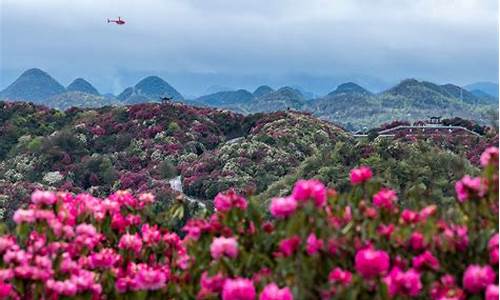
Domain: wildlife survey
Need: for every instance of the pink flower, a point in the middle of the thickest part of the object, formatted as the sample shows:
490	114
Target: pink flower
468	187
122	284
360	175
224	202
283	207
427	212
385	230
44	215
84	281
489	157
425	259
409	216
313	244
222	246
172	239
310	189
86	229
43	197
340	276
477	278
106	258
289	246
6	242
238	289
64	288
385	198
148	278
417	240
446	289
194	228
6	275
150	234
5	290
491	290
273	292
118	222
146	199
370	262
403	283
212	284
18	256
493	249
238	201
461	237
87	236
131	242
24	216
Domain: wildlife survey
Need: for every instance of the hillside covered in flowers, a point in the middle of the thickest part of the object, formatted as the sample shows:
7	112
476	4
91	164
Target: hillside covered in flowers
145	147
315	243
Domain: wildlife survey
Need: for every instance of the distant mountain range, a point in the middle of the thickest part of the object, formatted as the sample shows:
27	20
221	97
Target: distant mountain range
349	104
37	86
488	88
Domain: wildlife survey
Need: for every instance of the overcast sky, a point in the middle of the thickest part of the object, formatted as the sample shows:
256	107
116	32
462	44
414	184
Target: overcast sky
194	44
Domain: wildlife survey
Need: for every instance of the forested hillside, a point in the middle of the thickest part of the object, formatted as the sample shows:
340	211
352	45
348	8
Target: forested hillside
145	146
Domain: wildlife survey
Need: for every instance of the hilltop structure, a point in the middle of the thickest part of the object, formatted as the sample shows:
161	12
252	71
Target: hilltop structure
431	127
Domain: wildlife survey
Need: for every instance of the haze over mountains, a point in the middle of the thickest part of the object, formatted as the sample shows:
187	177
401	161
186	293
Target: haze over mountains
349	104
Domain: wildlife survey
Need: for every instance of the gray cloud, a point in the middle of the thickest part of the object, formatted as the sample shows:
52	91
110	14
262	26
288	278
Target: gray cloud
197	43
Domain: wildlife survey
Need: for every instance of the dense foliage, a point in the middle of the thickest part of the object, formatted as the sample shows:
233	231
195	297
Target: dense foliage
106	149
316	243
144	147
420	172
276	144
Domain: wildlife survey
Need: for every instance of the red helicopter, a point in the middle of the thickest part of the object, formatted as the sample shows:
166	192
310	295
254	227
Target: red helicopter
118	22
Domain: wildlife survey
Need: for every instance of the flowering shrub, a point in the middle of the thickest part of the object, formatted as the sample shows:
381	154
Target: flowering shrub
275	145
316	243
105	149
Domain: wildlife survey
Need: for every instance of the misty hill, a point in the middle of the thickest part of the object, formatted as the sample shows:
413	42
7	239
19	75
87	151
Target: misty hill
149	89
420	94
485	96
346	105
262	91
217	88
264	99
489	88
125	94
350	88
226	98
463	94
411	92
33	85
82	85
281	99
354	107
308	95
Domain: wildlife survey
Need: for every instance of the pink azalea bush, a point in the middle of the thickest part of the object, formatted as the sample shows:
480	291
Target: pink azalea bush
314	244
222	246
